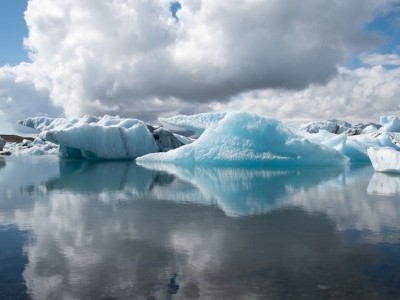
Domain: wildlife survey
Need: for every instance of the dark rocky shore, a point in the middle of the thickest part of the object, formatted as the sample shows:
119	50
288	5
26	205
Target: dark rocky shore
11	138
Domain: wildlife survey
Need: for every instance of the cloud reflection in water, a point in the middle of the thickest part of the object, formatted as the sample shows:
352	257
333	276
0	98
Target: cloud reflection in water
117	230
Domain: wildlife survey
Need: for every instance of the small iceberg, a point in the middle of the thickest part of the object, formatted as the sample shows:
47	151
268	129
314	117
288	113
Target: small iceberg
385	159
250	140
390	124
354	146
102	138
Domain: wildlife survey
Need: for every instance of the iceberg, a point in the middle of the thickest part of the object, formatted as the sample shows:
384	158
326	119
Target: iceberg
339	127
107	137
250	140
194	125
354	146
332	126
37	147
389	124
385	159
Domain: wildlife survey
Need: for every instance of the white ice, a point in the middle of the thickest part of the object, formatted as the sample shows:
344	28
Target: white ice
252	140
195	124
332	126
385	159
96	138
37	148
355	146
389	124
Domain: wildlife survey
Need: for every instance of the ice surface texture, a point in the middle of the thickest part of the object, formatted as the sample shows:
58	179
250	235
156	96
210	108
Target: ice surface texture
390	124
355	146
247	139
96	138
385	159
234	138
194	124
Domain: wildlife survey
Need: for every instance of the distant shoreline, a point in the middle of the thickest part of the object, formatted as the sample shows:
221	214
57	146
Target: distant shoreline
12	138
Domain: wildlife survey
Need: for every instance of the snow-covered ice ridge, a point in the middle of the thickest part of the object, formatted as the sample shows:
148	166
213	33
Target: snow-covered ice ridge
194	125
228	138
102	137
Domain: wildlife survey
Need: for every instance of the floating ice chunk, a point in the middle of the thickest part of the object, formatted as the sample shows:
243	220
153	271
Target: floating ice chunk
38	141
103	138
247	139
339	127
356	146
364	128
196	124
333	126
26	142
31	148
385	159
326	138
390	124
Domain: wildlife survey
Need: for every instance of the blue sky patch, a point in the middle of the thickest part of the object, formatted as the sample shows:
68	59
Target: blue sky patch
174	7
12	31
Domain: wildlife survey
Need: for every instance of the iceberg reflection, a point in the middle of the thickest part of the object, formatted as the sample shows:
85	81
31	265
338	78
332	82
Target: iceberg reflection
173	234
244	191
384	184
83	176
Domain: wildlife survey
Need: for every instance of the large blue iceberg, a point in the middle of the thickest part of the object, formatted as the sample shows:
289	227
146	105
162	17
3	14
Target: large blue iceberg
247	139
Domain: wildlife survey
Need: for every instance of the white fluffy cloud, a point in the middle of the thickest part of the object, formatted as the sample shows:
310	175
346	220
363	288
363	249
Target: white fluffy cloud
131	57
363	94
22	95
375	59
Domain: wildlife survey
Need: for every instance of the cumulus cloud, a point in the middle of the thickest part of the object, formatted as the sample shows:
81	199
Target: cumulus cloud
134	58
374	59
21	96
363	94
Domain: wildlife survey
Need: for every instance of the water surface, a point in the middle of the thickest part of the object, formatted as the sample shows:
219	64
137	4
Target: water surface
115	230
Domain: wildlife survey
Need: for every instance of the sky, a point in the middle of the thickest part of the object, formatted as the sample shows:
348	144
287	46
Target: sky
148	58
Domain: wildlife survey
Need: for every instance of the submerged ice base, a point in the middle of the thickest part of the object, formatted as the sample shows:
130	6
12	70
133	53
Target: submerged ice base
248	139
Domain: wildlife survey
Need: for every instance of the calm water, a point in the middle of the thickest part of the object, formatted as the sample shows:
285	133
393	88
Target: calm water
114	230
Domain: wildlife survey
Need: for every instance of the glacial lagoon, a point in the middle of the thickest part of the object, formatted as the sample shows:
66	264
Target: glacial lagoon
116	230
